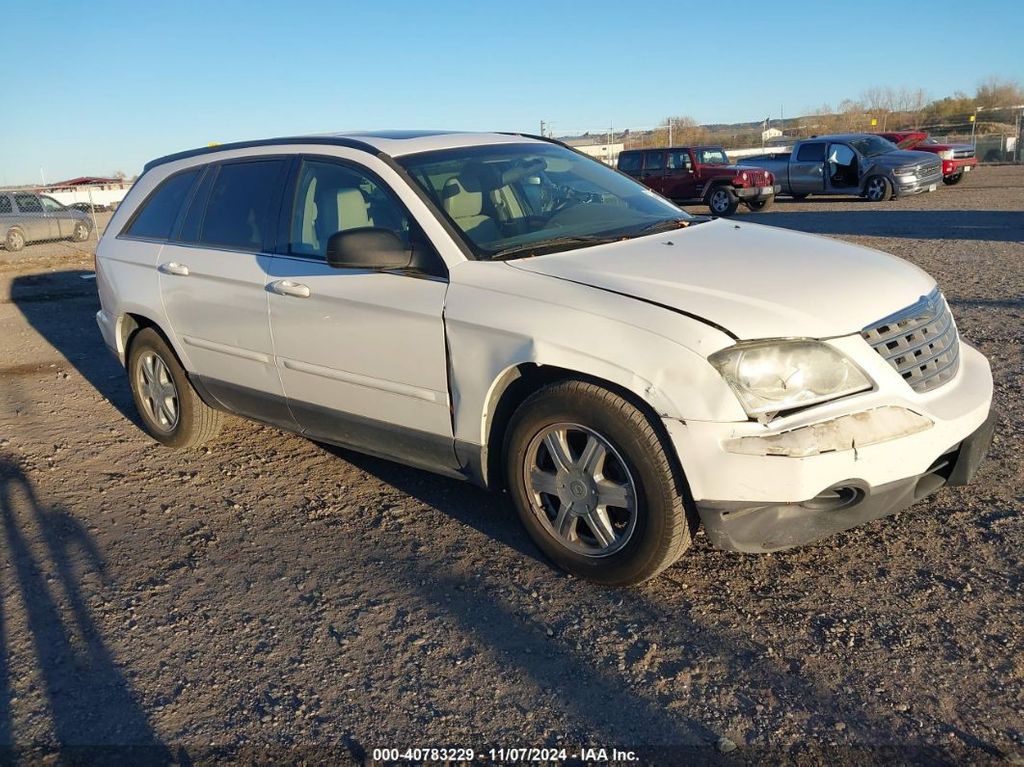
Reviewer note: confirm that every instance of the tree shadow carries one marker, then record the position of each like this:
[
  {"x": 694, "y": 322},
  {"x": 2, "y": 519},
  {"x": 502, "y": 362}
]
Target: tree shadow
[
  {"x": 61, "y": 307},
  {"x": 95, "y": 714}
]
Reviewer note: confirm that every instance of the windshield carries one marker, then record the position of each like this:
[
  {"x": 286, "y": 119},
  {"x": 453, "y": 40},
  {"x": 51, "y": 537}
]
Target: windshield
[
  {"x": 712, "y": 157},
  {"x": 869, "y": 146},
  {"x": 516, "y": 200}
]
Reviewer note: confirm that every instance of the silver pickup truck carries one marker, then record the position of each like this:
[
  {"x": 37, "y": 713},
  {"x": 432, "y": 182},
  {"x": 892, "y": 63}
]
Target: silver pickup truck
[{"x": 851, "y": 163}]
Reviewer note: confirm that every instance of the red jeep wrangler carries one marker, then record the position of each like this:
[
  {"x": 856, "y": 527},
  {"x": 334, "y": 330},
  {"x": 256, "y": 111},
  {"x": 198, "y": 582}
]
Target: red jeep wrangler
[
  {"x": 957, "y": 159},
  {"x": 700, "y": 174}
]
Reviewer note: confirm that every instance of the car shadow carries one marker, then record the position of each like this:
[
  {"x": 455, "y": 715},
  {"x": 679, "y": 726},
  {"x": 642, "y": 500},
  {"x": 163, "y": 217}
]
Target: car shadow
[
  {"x": 490, "y": 513},
  {"x": 984, "y": 225},
  {"x": 61, "y": 307},
  {"x": 95, "y": 715}
]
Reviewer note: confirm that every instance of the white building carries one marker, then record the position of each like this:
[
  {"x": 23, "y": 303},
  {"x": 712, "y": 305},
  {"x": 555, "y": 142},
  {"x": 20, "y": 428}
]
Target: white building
[{"x": 606, "y": 153}]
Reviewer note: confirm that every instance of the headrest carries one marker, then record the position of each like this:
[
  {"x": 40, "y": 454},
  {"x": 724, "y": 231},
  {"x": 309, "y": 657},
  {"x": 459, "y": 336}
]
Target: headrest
[{"x": 458, "y": 202}]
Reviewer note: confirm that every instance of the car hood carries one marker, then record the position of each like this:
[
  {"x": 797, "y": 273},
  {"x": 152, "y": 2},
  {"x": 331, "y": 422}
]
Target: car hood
[
  {"x": 753, "y": 281},
  {"x": 903, "y": 157}
]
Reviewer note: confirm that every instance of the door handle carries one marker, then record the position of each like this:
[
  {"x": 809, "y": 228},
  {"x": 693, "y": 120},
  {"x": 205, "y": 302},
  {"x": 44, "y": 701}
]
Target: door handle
[
  {"x": 289, "y": 288},
  {"x": 174, "y": 268}
]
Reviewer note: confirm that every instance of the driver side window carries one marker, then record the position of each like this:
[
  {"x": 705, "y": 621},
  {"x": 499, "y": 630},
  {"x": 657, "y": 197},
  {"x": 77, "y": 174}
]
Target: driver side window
[
  {"x": 50, "y": 205},
  {"x": 331, "y": 197}
]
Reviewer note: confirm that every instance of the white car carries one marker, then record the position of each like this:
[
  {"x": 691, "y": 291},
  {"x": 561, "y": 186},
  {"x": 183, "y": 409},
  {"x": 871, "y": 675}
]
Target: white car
[{"x": 502, "y": 309}]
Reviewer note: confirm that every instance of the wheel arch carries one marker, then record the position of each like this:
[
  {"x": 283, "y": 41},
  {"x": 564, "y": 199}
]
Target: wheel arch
[{"x": 518, "y": 382}]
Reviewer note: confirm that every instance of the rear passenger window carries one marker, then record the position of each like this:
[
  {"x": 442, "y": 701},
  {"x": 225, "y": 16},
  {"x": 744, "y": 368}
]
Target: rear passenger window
[
  {"x": 28, "y": 203},
  {"x": 629, "y": 163},
  {"x": 5, "y": 204},
  {"x": 238, "y": 213},
  {"x": 654, "y": 161},
  {"x": 160, "y": 210},
  {"x": 811, "y": 152}
]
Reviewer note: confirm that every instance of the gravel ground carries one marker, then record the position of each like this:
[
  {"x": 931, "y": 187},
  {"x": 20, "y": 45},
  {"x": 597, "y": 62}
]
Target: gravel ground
[{"x": 268, "y": 596}]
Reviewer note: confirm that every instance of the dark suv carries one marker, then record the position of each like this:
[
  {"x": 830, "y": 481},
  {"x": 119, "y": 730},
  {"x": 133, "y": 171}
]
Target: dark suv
[{"x": 700, "y": 174}]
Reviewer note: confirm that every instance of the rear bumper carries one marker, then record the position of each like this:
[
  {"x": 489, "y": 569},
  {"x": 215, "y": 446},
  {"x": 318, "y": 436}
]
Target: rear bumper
[
  {"x": 953, "y": 167},
  {"x": 763, "y": 528},
  {"x": 758, "y": 193}
]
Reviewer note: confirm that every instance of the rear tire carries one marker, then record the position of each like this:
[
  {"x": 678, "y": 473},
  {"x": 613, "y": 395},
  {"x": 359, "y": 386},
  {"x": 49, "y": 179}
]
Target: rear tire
[
  {"x": 760, "y": 205},
  {"x": 722, "y": 201},
  {"x": 15, "y": 240},
  {"x": 594, "y": 486},
  {"x": 953, "y": 179},
  {"x": 81, "y": 232},
  {"x": 169, "y": 407}
]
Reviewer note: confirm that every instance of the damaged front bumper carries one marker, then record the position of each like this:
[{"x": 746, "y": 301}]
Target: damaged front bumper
[
  {"x": 762, "y": 488},
  {"x": 759, "y": 528}
]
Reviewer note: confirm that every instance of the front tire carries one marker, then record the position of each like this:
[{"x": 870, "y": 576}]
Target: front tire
[
  {"x": 877, "y": 189},
  {"x": 594, "y": 486},
  {"x": 953, "y": 179},
  {"x": 14, "y": 241},
  {"x": 169, "y": 407},
  {"x": 722, "y": 201}
]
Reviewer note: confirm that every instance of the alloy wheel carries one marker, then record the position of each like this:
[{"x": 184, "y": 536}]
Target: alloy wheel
[
  {"x": 157, "y": 391},
  {"x": 580, "y": 489}
]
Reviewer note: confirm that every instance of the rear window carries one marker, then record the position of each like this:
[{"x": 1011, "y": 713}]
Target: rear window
[
  {"x": 238, "y": 213},
  {"x": 629, "y": 162},
  {"x": 155, "y": 219},
  {"x": 5, "y": 204},
  {"x": 814, "y": 152},
  {"x": 28, "y": 203}
]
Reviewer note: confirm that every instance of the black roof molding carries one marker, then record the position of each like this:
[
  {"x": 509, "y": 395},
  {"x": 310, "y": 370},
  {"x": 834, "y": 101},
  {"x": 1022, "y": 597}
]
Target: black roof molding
[{"x": 310, "y": 140}]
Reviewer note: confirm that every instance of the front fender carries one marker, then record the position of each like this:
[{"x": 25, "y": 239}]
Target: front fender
[{"x": 647, "y": 350}]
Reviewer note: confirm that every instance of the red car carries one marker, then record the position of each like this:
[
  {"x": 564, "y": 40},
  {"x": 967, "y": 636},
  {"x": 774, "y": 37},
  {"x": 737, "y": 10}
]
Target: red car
[
  {"x": 957, "y": 159},
  {"x": 700, "y": 174}
]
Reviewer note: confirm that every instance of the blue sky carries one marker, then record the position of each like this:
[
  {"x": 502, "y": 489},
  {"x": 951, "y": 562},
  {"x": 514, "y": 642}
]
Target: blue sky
[{"x": 108, "y": 85}]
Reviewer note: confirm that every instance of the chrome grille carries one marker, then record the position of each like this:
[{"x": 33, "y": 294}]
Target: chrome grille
[{"x": 920, "y": 342}]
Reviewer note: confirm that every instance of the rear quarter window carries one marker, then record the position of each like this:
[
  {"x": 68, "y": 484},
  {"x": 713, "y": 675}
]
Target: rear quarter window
[
  {"x": 814, "y": 152},
  {"x": 155, "y": 219},
  {"x": 629, "y": 162}
]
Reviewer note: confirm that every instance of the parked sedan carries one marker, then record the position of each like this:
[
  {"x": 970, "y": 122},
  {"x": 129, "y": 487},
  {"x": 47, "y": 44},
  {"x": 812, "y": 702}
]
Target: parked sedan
[{"x": 29, "y": 217}]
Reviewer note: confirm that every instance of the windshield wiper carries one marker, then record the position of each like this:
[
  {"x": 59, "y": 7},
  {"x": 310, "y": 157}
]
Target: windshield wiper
[
  {"x": 666, "y": 225},
  {"x": 540, "y": 247}
]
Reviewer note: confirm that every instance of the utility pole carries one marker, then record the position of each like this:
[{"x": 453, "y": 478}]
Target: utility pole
[
  {"x": 670, "y": 131},
  {"x": 542, "y": 129}
]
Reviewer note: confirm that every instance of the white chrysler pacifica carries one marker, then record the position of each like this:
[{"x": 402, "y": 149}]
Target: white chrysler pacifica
[{"x": 502, "y": 309}]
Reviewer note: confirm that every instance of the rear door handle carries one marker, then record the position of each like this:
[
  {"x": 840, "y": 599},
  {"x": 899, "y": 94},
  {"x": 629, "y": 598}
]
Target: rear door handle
[
  {"x": 174, "y": 268},
  {"x": 289, "y": 288}
]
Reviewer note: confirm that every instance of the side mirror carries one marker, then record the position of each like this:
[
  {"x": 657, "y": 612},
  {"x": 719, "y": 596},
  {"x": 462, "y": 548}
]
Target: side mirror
[{"x": 367, "y": 247}]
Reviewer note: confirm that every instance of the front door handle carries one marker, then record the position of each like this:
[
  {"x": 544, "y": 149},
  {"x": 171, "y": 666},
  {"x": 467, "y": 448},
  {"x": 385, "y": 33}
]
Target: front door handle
[
  {"x": 289, "y": 288},
  {"x": 174, "y": 268}
]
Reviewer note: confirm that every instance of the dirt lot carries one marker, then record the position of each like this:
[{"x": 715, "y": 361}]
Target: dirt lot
[{"x": 271, "y": 593}]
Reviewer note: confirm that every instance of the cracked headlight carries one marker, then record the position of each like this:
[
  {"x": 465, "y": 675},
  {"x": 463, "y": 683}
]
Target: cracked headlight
[{"x": 771, "y": 376}]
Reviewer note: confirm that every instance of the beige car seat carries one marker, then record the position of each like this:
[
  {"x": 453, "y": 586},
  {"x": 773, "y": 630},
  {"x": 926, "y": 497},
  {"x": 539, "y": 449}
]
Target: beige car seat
[{"x": 466, "y": 208}]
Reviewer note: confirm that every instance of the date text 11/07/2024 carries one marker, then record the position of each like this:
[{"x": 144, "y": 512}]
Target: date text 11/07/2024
[{"x": 502, "y": 755}]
